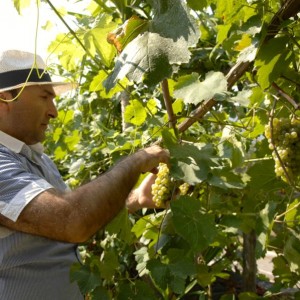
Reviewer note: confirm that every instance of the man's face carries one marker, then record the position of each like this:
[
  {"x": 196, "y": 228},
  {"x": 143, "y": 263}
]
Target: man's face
[{"x": 28, "y": 117}]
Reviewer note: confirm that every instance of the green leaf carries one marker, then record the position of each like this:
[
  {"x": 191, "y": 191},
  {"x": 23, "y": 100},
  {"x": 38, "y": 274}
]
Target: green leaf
[
  {"x": 96, "y": 39},
  {"x": 136, "y": 291},
  {"x": 144, "y": 60},
  {"x": 159, "y": 272},
  {"x": 292, "y": 217},
  {"x": 57, "y": 134},
  {"x": 242, "y": 98},
  {"x": 180, "y": 264},
  {"x": 248, "y": 296},
  {"x": 127, "y": 32},
  {"x": 60, "y": 153},
  {"x": 139, "y": 227},
  {"x": 152, "y": 106},
  {"x": 247, "y": 54},
  {"x": 72, "y": 140},
  {"x": 97, "y": 85},
  {"x": 66, "y": 116},
  {"x": 204, "y": 276},
  {"x": 70, "y": 52},
  {"x": 191, "y": 163},
  {"x": 121, "y": 225},
  {"x": 177, "y": 284},
  {"x": 197, "y": 4},
  {"x": 291, "y": 252},
  {"x": 264, "y": 226},
  {"x": 191, "y": 90},
  {"x": 230, "y": 147},
  {"x": 223, "y": 31},
  {"x": 156, "y": 54},
  {"x": 272, "y": 60},
  {"x": 135, "y": 113},
  {"x": 263, "y": 177},
  {"x": 281, "y": 269},
  {"x": 86, "y": 280},
  {"x": 165, "y": 23},
  {"x": 225, "y": 179},
  {"x": 196, "y": 227},
  {"x": 109, "y": 264},
  {"x": 100, "y": 293},
  {"x": 21, "y": 4}
]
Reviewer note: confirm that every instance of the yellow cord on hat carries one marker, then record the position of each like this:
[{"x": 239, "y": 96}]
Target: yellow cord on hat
[{"x": 24, "y": 85}]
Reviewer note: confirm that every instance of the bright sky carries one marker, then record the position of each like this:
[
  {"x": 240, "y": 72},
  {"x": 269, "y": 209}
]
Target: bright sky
[{"x": 19, "y": 32}]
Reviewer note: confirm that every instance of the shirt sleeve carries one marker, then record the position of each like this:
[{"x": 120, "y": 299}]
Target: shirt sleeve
[{"x": 18, "y": 185}]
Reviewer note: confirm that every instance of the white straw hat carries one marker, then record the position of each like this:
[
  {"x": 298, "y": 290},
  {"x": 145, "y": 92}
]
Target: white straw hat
[{"x": 19, "y": 69}]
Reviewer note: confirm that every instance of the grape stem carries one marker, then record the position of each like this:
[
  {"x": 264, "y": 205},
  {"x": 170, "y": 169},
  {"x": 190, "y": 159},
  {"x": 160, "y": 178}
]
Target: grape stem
[
  {"x": 287, "y": 211},
  {"x": 168, "y": 104}
]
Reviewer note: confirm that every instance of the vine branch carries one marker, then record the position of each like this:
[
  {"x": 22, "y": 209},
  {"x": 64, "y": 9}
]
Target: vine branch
[{"x": 282, "y": 93}]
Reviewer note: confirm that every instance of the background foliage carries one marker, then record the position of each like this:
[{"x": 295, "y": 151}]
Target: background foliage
[{"x": 202, "y": 78}]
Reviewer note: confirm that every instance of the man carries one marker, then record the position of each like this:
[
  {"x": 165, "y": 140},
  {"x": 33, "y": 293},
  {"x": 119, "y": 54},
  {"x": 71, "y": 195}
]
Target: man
[{"x": 41, "y": 221}]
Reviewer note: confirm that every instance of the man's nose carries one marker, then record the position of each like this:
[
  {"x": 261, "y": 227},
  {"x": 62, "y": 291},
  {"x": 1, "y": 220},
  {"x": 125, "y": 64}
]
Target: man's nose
[{"x": 52, "y": 112}]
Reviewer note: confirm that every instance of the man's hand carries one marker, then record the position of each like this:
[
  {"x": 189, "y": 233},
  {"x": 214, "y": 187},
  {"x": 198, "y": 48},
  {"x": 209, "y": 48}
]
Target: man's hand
[
  {"x": 141, "y": 197},
  {"x": 151, "y": 157}
]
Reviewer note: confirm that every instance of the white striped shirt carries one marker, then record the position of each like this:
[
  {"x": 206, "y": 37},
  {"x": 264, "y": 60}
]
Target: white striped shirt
[{"x": 31, "y": 267}]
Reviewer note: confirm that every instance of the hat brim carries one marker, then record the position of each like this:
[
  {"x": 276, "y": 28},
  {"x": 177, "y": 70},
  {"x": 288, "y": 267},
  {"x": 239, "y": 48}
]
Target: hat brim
[{"x": 59, "y": 87}]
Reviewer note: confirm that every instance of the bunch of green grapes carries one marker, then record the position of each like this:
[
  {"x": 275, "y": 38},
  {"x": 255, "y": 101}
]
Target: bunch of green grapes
[
  {"x": 284, "y": 138},
  {"x": 161, "y": 189},
  {"x": 183, "y": 188}
]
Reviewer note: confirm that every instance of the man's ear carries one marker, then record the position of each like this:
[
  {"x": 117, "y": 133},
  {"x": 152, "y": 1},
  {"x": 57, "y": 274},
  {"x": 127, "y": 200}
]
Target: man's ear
[{"x": 3, "y": 104}]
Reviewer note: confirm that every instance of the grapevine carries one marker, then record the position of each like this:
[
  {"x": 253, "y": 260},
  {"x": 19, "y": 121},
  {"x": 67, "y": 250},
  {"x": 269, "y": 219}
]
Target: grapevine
[{"x": 284, "y": 142}]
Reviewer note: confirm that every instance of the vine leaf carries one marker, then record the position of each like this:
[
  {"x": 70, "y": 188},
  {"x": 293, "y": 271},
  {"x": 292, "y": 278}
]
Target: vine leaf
[
  {"x": 95, "y": 39},
  {"x": 157, "y": 53},
  {"x": 135, "y": 113},
  {"x": 191, "y": 163},
  {"x": 191, "y": 90},
  {"x": 197, "y": 228},
  {"x": 159, "y": 272},
  {"x": 196, "y": 4},
  {"x": 121, "y": 225},
  {"x": 171, "y": 275},
  {"x": 272, "y": 60},
  {"x": 85, "y": 279},
  {"x": 21, "y": 4},
  {"x": 127, "y": 32},
  {"x": 138, "y": 290},
  {"x": 291, "y": 251},
  {"x": 293, "y": 214}
]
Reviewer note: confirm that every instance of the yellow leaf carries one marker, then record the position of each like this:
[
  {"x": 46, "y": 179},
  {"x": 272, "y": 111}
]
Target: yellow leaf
[{"x": 243, "y": 43}]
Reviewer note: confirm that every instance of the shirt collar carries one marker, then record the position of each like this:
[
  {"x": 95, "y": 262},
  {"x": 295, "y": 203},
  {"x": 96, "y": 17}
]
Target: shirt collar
[{"x": 17, "y": 145}]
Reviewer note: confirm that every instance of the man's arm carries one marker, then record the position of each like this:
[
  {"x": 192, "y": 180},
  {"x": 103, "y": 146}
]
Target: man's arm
[{"x": 74, "y": 216}]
